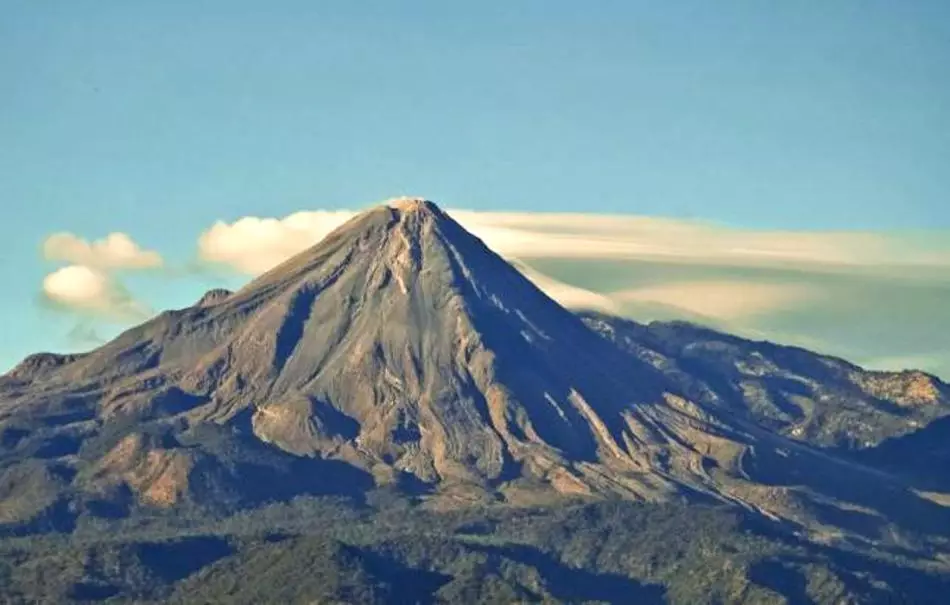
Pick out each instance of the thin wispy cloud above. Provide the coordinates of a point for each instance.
(722, 300)
(568, 295)
(821, 290)
(813, 289)
(253, 245)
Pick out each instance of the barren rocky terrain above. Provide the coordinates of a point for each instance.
(400, 364)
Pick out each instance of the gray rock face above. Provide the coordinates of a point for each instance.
(213, 297)
(817, 399)
(403, 345)
(401, 350)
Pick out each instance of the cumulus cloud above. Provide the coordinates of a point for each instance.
(113, 252)
(87, 283)
(253, 245)
(91, 291)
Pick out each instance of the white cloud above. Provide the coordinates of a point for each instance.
(628, 237)
(721, 300)
(734, 279)
(91, 291)
(567, 295)
(654, 268)
(113, 252)
(253, 245)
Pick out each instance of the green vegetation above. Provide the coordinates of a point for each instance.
(332, 550)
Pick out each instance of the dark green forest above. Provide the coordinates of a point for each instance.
(389, 549)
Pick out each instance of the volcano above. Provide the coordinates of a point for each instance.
(400, 351)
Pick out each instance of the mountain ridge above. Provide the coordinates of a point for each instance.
(400, 351)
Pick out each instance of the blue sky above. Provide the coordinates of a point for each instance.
(158, 119)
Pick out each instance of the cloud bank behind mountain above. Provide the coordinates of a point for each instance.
(874, 297)
(880, 299)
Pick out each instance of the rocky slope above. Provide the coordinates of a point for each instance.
(816, 399)
(401, 351)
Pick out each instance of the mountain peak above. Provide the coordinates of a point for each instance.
(412, 204)
(402, 350)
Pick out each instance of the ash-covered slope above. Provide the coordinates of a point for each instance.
(400, 350)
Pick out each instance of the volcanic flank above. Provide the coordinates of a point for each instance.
(400, 350)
